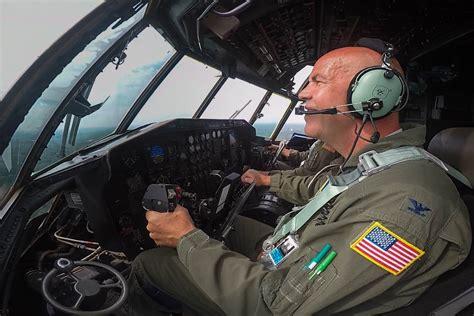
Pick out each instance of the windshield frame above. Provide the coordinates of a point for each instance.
(16, 103)
(210, 96)
(137, 104)
(288, 111)
(148, 92)
(25, 172)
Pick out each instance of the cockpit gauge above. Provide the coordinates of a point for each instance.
(157, 154)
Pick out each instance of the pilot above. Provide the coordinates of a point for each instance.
(290, 158)
(293, 158)
(382, 228)
(296, 185)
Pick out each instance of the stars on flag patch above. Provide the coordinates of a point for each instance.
(386, 249)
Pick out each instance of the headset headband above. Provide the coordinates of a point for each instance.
(380, 83)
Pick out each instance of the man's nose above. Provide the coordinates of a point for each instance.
(305, 93)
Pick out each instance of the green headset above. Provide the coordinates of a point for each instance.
(378, 90)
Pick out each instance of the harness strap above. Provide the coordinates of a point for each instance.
(374, 162)
(370, 163)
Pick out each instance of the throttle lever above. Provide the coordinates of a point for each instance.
(161, 197)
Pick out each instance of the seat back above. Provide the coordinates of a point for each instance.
(454, 146)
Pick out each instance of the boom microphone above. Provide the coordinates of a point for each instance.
(368, 107)
(300, 110)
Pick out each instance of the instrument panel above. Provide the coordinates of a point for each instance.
(195, 154)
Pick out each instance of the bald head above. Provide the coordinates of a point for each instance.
(345, 63)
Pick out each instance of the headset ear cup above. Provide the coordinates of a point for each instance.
(374, 82)
(355, 109)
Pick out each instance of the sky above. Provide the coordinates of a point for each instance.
(28, 28)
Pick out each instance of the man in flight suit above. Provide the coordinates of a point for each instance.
(412, 205)
(293, 159)
(297, 185)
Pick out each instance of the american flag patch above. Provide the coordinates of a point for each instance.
(386, 249)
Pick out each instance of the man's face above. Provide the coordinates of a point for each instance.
(327, 88)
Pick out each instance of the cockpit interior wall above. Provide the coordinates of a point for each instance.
(269, 41)
(193, 154)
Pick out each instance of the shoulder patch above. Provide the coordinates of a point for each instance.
(386, 249)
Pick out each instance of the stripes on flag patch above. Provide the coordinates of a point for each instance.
(386, 249)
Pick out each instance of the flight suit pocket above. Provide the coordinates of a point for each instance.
(296, 288)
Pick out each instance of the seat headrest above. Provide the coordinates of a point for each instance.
(455, 146)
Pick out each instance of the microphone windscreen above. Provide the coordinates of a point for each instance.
(299, 110)
(375, 137)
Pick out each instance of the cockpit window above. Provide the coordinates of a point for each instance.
(44, 108)
(237, 99)
(271, 114)
(180, 94)
(112, 92)
(295, 123)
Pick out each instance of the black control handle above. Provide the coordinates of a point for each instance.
(161, 197)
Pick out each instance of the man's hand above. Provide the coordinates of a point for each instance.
(167, 228)
(284, 153)
(260, 178)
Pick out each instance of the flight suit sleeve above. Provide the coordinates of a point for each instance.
(299, 185)
(294, 189)
(313, 163)
(319, 159)
(296, 157)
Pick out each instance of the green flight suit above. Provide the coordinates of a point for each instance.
(295, 157)
(218, 280)
(297, 186)
(294, 160)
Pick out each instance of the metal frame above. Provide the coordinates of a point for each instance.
(207, 100)
(57, 116)
(29, 87)
(288, 111)
(283, 120)
(148, 92)
(260, 107)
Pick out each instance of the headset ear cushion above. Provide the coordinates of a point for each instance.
(355, 110)
(374, 82)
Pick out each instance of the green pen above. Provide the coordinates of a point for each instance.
(324, 264)
(318, 257)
